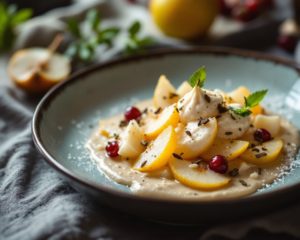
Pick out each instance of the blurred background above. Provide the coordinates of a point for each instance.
(92, 31)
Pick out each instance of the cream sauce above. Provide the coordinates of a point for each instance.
(161, 184)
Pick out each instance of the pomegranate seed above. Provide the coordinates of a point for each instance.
(262, 135)
(287, 43)
(218, 164)
(132, 113)
(112, 149)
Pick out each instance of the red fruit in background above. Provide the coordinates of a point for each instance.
(253, 6)
(287, 42)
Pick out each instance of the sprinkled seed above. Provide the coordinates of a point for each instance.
(232, 117)
(188, 133)
(175, 155)
(164, 98)
(203, 121)
(144, 143)
(172, 95)
(116, 136)
(234, 172)
(123, 123)
(260, 155)
(240, 129)
(144, 163)
(145, 111)
(157, 111)
(207, 98)
(243, 183)
(228, 133)
(221, 108)
(255, 150)
(259, 170)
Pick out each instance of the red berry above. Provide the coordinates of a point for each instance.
(262, 135)
(112, 149)
(218, 164)
(132, 113)
(287, 42)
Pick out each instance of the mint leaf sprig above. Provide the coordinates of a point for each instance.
(135, 43)
(10, 18)
(198, 77)
(251, 101)
(83, 47)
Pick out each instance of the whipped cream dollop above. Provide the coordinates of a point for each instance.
(231, 125)
(199, 103)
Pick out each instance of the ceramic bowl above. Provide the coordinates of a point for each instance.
(67, 115)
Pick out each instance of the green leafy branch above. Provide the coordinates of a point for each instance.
(135, 44)
(251, 101)
(10, 18)
(84, 47)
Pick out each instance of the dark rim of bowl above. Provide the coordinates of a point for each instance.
(219, 51)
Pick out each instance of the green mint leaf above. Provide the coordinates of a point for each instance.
(243, 112)
(93, 19)
(198, 78)
(73, 27)
(255, 98)
(146, 41)
(134, 28)
(86, 52)
(21, 16)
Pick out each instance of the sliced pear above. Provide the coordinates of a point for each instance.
(230, 149)
(158, 152)
(238, 96)
(270, 123)
(164, 93)
(195, 138)
(168, 117)
(199, 178)
(183, 89)
(265, 153)
(37, 69)
(131, 141)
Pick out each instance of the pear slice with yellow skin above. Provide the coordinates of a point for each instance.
(194, 139)
(264, 153)
(230, 149)
(36, 70)
(238, 96)
(199, 178)
(164, 93)
(270, 123)
(158, 152)
(183, 89)
(168, 117)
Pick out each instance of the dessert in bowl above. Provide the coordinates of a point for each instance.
(195, 143)
(68, 117)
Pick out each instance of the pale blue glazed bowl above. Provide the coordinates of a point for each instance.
(67, 115)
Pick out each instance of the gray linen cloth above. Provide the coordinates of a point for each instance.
(35, 203)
